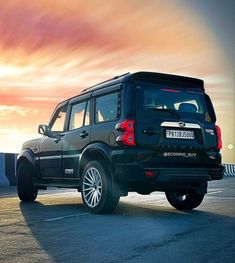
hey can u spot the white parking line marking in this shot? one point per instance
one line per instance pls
(7, 196)
(214, 192)
(63, 217)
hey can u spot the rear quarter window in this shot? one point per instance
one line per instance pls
(107, 107)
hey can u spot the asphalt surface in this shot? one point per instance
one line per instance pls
(57, 228)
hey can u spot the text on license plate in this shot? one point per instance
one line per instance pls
(176, 134)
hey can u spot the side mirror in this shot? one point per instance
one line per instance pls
(45, 130)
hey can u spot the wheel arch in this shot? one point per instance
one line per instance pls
(95, 152)
(26, 155)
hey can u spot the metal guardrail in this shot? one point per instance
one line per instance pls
(8, 169)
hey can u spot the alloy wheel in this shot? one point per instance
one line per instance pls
(92, 187)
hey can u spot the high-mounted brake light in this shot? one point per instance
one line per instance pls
(171, 90)
(219, 136)
(128, 136)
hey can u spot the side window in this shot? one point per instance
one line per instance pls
(77, 115)
(106, 107)
(58, 125)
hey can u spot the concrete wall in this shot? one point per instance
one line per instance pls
(8, 169)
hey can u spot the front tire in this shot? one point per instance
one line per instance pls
(184, 200)
(25, 188)
(98, 192)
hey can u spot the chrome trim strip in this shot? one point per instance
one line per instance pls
(50, 157)
(176, 125)
(58, 156)
(70, 155)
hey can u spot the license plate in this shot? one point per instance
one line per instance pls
(176, 134)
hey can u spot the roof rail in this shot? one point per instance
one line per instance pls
(116, 77)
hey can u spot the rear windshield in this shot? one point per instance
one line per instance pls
(170, 99)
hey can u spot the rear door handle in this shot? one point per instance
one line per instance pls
(84, 134)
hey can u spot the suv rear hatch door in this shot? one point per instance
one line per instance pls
(175, 122)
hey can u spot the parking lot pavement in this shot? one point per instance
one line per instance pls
(57, 228)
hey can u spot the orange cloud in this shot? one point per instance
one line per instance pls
(33, 27)
(51, 50)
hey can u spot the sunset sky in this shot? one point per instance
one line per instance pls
(51, 50)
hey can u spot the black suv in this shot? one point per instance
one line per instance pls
(139, 132)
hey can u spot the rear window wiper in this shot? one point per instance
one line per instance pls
(171, 111)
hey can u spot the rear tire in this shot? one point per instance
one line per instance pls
(184, 200)
(25, 188)
(98, 192)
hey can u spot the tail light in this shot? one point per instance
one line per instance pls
(128, 129)
(219, 137)
(149, 173)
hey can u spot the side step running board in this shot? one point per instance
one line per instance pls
(56, 184)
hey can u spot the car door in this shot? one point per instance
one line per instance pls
(51, 148)
(77, 136)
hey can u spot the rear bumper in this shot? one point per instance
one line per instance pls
(136, 173)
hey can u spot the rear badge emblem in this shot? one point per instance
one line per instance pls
(181, 124)
(211, 131)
